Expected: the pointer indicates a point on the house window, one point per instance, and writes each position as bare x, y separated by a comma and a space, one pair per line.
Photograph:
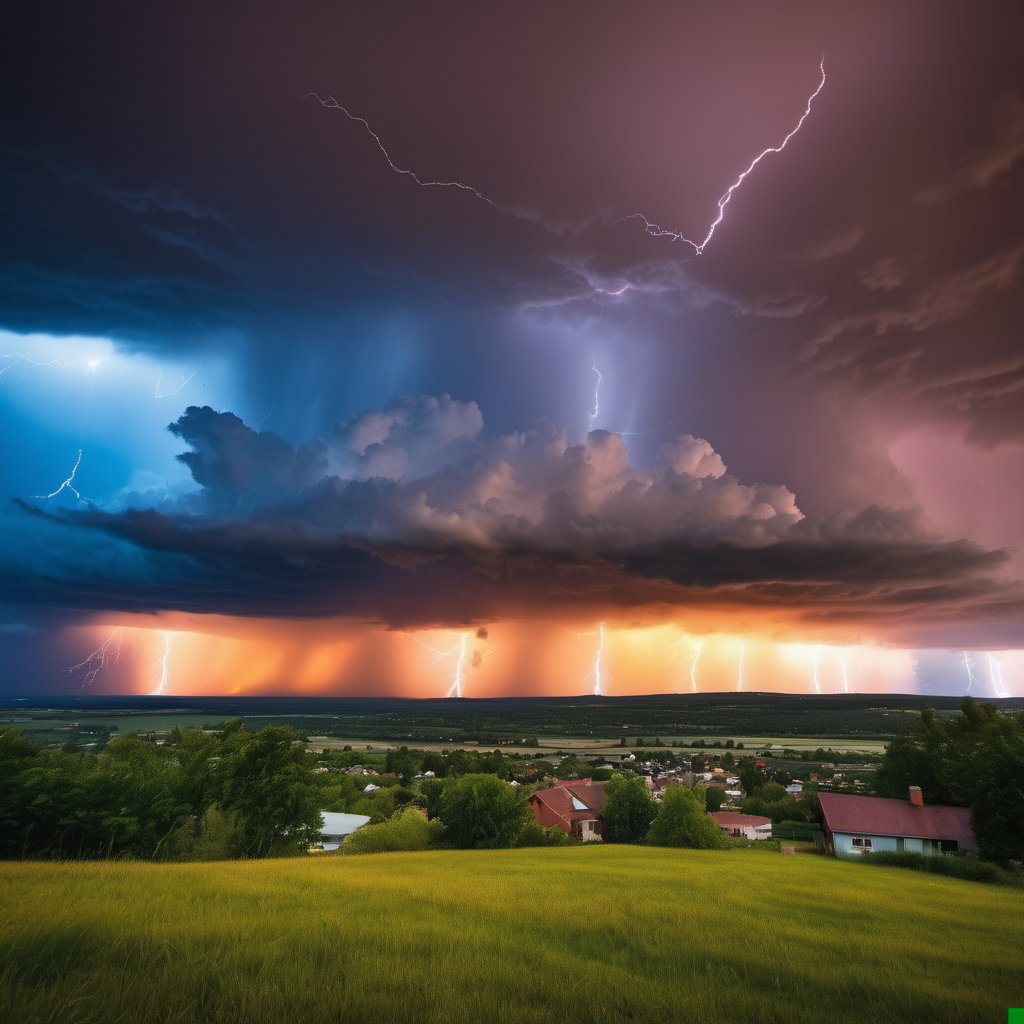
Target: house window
862, 842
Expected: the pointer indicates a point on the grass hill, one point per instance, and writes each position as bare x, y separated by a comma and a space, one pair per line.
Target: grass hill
602, 934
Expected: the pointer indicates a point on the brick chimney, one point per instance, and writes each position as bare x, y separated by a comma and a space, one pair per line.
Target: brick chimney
915, 796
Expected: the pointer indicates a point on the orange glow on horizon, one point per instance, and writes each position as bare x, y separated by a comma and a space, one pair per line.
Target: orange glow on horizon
213, 655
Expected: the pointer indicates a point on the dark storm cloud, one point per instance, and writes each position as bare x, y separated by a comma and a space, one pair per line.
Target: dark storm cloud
509, 526
165, 182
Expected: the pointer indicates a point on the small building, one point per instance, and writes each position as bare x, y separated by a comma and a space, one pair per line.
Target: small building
574, 807
336, 826
857, 825
745, 826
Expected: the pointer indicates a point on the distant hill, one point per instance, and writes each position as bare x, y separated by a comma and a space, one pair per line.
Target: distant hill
496, 719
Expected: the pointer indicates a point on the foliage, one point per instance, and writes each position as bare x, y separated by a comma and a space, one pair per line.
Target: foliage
481, 812
974, 759
682, 821
628, 810
954, 867
403, 763
137, 799
214, 836
408, 829
534, 834
714, 798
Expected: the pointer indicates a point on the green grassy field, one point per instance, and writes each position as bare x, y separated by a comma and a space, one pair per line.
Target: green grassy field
603, 934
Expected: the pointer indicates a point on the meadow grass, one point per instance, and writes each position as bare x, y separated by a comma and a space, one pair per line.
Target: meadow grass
579, 934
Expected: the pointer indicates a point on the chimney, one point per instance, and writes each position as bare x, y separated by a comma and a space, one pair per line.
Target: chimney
915, 796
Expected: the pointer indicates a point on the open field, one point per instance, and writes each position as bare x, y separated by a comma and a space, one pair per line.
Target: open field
587, 746
584, 934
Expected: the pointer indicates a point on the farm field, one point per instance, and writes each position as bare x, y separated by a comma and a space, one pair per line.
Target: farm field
588, 745
583, 934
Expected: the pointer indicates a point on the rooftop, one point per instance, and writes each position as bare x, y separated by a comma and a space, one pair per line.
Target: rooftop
883, 816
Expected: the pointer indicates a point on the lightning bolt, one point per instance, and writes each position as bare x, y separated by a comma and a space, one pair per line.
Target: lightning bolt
814, 670
67, 484
330, 103
842, 669
160, 667
995, 671
157, 393
970, 672
739, 669
595, 409
693, 666
100, 659
695, 646
13, 359
656, 231
599, 661
458, 652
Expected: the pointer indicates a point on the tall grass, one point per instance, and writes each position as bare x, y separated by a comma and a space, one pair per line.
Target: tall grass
539, 935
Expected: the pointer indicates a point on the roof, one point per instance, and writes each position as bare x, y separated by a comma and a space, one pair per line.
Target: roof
335, 824
579, 801
739, 820
882, 816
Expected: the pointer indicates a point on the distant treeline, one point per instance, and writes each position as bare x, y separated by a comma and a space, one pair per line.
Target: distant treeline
518, 721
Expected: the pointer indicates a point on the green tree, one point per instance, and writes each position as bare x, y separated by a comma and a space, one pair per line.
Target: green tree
628, 810
403, 763
715, 797
481, 812
269, 783
682, 821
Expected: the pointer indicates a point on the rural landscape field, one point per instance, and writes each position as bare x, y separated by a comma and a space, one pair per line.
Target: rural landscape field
522, 936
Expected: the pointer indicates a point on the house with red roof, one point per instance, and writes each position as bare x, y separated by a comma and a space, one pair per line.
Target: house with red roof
574, 807
747, 826
856, 825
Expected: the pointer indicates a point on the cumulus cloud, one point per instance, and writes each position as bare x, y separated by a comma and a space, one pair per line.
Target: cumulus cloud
465, 528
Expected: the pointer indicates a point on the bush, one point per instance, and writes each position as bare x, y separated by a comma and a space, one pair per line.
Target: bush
534, 834
955, 867
404, 830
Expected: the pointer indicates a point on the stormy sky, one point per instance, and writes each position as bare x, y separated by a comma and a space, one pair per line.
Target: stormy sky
380, 321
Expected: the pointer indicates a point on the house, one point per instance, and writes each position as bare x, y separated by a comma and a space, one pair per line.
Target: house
336, 826
746, 826
855, 825
574, 807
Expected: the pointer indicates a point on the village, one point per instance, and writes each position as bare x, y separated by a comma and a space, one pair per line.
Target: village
830, 813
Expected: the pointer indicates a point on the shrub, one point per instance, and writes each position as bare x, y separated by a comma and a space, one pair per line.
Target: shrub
405, 830
969, 868
534, 834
